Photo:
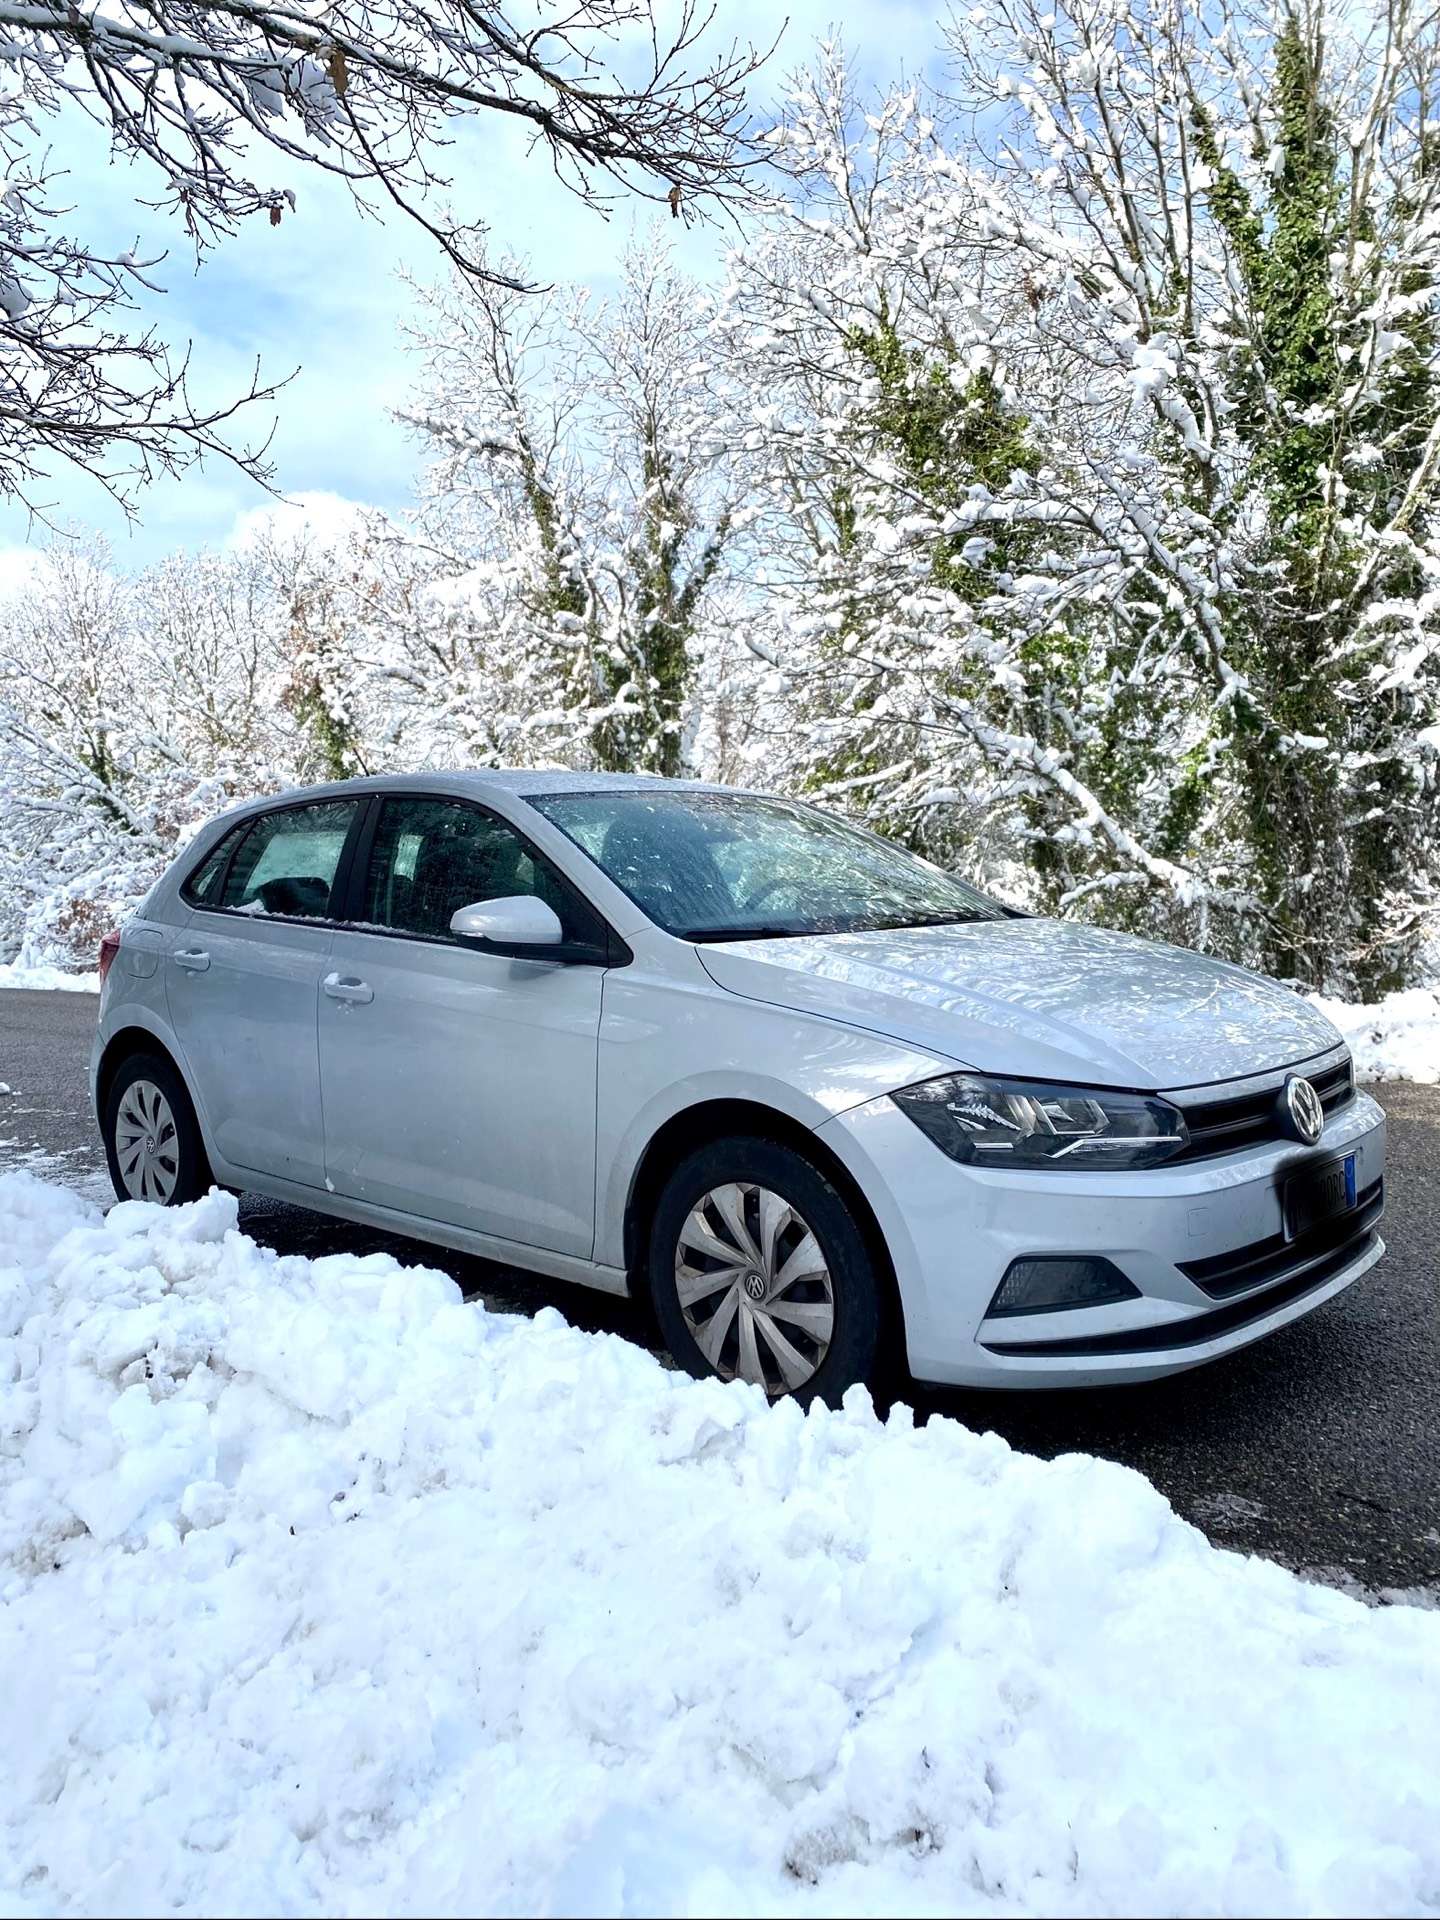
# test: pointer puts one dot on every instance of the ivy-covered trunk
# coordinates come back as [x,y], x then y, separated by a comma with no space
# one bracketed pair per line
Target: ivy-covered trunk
[1329,464]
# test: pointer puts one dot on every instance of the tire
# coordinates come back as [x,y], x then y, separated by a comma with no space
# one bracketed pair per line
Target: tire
[175,1169]
[719,1202]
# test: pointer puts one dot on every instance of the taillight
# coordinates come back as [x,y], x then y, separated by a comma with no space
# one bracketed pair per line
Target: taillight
[109,947]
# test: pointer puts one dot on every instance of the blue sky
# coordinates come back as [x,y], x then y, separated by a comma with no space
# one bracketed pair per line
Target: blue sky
[321,292]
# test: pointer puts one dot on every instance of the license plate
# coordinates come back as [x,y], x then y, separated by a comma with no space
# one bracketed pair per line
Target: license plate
[1318,1194]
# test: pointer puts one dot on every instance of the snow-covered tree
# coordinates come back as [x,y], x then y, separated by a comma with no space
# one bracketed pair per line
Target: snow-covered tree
[1053,483]
[130,710]
[579,484]
[404,647]
[207,635]
[1102,456]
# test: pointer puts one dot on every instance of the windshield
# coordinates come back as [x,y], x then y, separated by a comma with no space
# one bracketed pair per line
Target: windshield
[736,866]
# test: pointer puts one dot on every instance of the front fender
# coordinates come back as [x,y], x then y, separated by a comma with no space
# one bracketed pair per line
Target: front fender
[659,1044]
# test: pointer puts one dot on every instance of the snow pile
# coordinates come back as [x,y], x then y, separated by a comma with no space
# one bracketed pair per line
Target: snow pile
[1396,1039]
[326,1592]
[47,979]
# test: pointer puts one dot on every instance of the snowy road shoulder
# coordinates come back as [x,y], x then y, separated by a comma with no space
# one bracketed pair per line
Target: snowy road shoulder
[46,979]
[1396,1039]
[326,1591]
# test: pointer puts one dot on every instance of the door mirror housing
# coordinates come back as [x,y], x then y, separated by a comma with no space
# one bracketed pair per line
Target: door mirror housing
[518,925]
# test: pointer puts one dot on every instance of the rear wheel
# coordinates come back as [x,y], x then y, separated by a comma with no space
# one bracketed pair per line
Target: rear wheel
[152,1139]
[759,1272]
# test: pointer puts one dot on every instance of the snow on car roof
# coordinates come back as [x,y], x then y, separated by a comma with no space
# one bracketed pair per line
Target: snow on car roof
[526,783]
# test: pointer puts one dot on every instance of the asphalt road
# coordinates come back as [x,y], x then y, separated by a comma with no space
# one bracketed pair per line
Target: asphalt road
[1316,1447]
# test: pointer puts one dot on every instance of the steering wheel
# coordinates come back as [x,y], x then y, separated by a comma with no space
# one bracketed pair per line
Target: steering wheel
[763,893]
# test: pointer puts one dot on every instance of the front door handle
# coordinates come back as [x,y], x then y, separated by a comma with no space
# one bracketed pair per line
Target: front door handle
[193,959]
[344,986]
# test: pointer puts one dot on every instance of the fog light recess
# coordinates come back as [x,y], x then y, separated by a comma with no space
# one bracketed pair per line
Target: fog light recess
[1049,1283]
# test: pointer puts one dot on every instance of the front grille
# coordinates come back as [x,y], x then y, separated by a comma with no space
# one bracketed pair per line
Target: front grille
[1253,1119]
[1277,1258]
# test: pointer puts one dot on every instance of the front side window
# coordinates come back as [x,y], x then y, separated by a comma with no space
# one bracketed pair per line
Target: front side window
[429,858]
[287,862]
[734,866]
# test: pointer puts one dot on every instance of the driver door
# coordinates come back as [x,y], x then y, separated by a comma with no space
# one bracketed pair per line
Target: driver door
[458,1085]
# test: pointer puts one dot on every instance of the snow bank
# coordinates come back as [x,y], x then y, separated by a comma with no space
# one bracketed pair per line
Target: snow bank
[325,1592]
[1396,1039]
[47,979]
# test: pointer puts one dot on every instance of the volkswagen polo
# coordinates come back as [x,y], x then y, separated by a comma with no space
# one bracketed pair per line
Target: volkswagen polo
[803,1090]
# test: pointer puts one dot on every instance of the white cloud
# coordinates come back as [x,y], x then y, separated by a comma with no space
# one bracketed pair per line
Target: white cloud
[18,567]
[328,519]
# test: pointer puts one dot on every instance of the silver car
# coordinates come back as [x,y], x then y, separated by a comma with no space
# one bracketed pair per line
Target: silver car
[808,1093]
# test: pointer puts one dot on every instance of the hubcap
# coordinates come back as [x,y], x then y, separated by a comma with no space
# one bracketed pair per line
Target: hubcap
[146,1144]
[754,1288]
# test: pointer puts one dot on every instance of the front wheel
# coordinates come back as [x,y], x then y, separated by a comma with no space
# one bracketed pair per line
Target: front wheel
[152,1138]
[759,1272]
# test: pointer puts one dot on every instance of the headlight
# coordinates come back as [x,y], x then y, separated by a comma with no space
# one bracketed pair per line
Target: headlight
[1023,1123]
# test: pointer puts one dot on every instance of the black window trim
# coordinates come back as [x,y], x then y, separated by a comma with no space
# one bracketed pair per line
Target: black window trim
[346,888]
[612,952]
[339,886]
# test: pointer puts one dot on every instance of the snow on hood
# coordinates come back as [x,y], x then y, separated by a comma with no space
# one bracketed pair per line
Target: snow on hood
[1040,998]
[299,1618]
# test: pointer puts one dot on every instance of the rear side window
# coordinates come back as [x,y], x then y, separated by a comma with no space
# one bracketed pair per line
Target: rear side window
[203,887]
[287,862]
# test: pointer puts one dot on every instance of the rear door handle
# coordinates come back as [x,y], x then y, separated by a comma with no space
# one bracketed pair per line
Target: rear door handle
[344,986]
[193,959]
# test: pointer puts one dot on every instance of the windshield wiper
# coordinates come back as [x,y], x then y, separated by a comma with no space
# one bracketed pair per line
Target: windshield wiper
[758,932]
[764,931]
[934,920]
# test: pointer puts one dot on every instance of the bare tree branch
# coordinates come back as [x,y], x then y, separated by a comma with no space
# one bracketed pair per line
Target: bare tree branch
[199,93]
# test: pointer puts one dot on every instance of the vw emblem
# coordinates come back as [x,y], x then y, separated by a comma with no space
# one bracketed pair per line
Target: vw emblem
[1301,1109]
[755,1285]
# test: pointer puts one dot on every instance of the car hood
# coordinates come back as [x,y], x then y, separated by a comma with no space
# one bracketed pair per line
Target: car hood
[1038,998]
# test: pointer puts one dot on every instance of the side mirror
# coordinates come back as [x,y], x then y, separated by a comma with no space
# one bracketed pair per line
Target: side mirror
[518,925]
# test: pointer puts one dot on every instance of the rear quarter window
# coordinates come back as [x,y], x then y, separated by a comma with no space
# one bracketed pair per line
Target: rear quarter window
[202,886]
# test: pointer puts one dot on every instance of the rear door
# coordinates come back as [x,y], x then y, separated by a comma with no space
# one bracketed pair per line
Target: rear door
[244,984]
[459,1085]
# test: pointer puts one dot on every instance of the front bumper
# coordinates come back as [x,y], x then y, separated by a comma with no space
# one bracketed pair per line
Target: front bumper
[1204,1243]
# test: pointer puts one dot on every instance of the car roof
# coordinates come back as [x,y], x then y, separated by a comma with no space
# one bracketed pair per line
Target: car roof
[525,783]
